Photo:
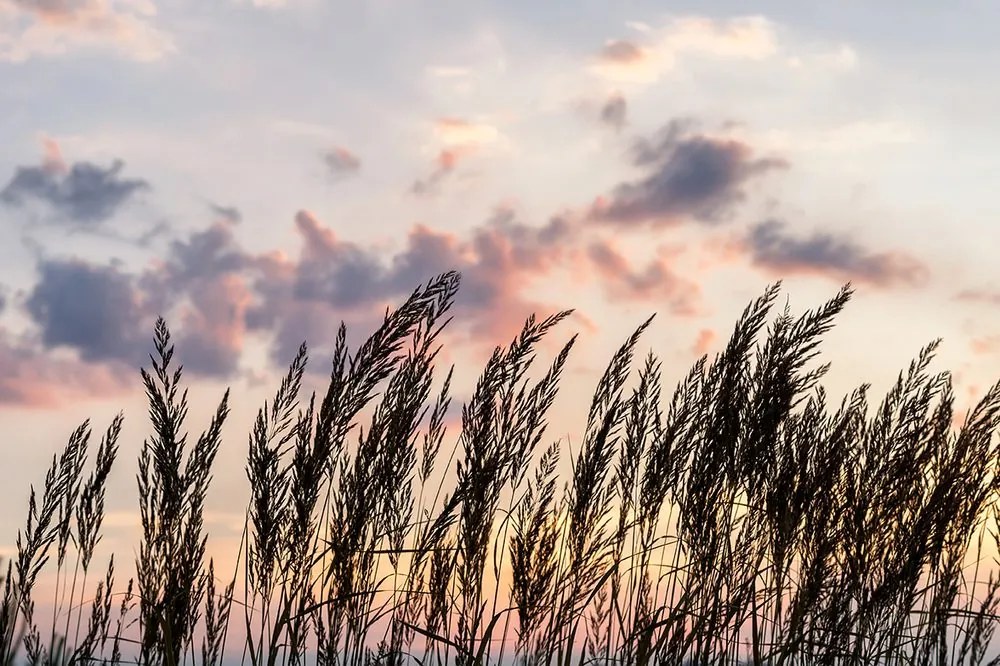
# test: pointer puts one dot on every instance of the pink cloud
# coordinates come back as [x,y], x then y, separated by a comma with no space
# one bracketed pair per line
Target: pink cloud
[986,345]
[979,296]
[654,283]
[55,27]
[444,166]
[33,378]
[705,342]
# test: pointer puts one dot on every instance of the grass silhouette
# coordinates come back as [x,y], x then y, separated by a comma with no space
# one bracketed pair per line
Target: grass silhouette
[739,519]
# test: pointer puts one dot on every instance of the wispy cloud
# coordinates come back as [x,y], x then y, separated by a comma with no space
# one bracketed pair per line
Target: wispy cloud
[983,296]
[705,342]
[632,61]
[31,28]
[465,133]
[444,166]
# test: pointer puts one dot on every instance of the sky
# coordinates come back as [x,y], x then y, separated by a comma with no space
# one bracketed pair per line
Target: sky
[257,171]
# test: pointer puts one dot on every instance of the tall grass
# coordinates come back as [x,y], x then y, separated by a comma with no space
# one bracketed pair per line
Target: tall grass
[743,517]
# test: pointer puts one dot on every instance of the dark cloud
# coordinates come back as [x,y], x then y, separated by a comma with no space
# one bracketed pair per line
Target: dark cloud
[614,112]
[771,247]
[620,51]
[92,309]
[204,254]
[106,314]
[84,192]
[204,283]
[342,162]
[688,176]
[215,293]
[333,271]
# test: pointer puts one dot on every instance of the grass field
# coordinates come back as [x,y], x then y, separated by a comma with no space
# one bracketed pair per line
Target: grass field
[743,517]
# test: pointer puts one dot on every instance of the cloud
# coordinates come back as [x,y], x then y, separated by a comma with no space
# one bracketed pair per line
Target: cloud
[213,325]
[742,38]
[656,282]
[217,295]
[83,192]
[95,310]
[614,112]
[30,28]
[228,213]
[333,279]
[106,315]
[334,271]
[985,296]
[205,285]
[986,345]
[444,166]
[772,248]
[460,138]
[32,377]
[342,162]
[622,51]
[687,176]
[460,132]
[704,343]
[623,61]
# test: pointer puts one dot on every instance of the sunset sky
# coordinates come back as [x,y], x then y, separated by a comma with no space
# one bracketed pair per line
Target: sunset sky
[259,170]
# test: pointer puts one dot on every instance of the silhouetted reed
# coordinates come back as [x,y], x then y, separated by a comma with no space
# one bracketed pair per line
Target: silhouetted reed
[742,517]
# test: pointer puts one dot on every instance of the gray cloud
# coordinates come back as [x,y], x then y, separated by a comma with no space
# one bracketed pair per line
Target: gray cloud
[84,193]
[342,162]
[106,314]
[92,309]
[771,247]
[688,176]
[228,213]
[614,112]
[215,293]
